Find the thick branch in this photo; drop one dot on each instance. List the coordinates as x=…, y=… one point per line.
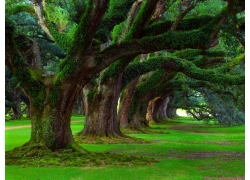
x=38, y=7
x=143, y=16
x=115, y=15
x=180, y=16
x=185, y=24
x=181, y=65
x=19, y=8
x=89, y=23
x=197, y=39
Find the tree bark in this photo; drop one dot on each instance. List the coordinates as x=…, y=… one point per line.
x=101, y=110
x=171, y=112
x=162, y=112
x=17, y=106
x=125, y=102
x=153, y=107
x=50, y=124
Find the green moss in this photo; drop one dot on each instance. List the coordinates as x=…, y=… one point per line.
x=116, y=13
x=47, y=131
x=140, y=20
x=66, y=68
x=182, y=39
x=17, y=8
x=143, y=88
x=30, y=80
x=45, y=158
x=117, y=32
x=138, y=68
x=187, y=53
x=113, y=70
x=185, y=24
x=54, y=94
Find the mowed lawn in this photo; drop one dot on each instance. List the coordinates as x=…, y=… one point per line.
x=185, y=149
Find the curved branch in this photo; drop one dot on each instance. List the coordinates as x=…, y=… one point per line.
x=190, y=6
x=17, y=8
x=115, y=15
x=198, y=39
x=187, y=67
x=39, y=10
x=89, y=23
x=143, y=16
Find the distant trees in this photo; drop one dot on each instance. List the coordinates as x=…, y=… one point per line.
x=96, y=46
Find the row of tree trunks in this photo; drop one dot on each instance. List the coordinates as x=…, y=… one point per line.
x=159, y=109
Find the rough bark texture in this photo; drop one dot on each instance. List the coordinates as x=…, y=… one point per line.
x=101, y=110
x=125, y=103
x=51, y=124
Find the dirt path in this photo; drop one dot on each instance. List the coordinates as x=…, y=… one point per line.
x=28, y=126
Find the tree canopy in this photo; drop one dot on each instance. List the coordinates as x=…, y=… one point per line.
x=143, y=52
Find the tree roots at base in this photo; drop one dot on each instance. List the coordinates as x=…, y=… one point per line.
x=41, y=156
x=89, y=139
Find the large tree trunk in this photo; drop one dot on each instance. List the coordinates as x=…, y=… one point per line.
x=156, y=105
x=152, y=109
x=26, y=100
x=138, y=119
x=171, y=112
x=162, y=112
x=51, y=124
x=101, y=110
x=17, y=104
x=125, y=101
x=50, y=116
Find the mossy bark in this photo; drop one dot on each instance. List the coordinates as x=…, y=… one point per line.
x=101, y=110
x=50, y=121
x=125, y=102
x=138, y=119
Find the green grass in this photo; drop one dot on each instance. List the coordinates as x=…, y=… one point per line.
x=186, y=150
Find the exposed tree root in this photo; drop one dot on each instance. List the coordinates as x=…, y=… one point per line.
x=39, y=155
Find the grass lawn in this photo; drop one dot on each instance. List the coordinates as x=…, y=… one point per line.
x=186, y=150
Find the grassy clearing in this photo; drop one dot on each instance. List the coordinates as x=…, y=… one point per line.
x=186, y=149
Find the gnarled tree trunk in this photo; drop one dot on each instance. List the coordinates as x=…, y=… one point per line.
x=125, y=102
x=51, y=120
x=101, y=110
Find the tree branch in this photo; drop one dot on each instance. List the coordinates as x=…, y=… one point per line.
x=39, y=10
x=198, y=39
x=141, y=18
x=181, y=65
x=189, y=6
